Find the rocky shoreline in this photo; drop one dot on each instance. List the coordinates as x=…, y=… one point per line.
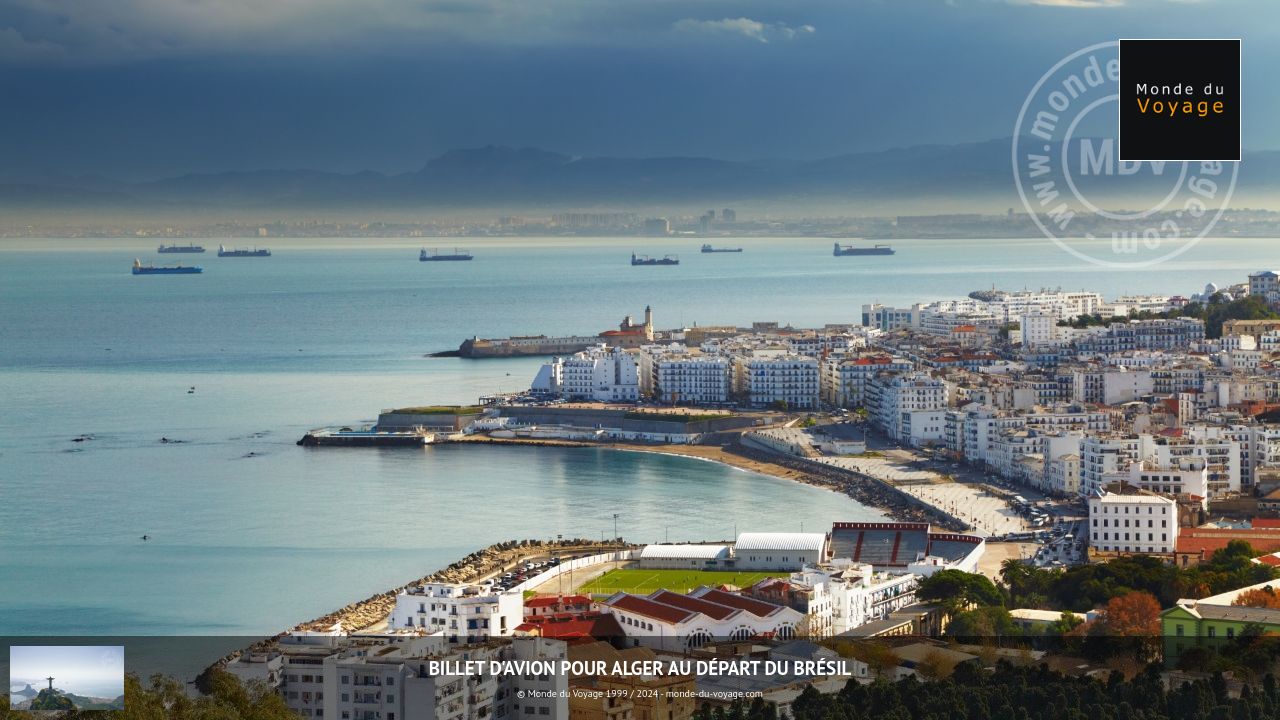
x=472, y=568
x=865, y=489
x=494, y=559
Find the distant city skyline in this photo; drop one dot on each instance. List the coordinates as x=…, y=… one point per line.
x=144, y=89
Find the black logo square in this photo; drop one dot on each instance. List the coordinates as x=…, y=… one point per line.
x=1180, y=100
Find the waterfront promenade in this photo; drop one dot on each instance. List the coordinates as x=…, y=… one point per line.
x=986, y=512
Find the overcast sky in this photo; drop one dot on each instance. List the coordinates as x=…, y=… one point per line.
x=148, y=88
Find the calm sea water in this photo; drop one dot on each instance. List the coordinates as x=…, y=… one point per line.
x=251, y=533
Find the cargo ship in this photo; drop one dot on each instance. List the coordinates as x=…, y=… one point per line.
x=646, y=260
x=149, y=269
x=256, y=252
x=842, y=250
x=436, y=256
x=708, y=249
x=180, y=249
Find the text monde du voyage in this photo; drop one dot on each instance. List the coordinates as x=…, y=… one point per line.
x=1180, y=99
x=637, y=668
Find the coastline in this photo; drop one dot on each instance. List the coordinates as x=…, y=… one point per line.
x=866, y=490
x=371, y=612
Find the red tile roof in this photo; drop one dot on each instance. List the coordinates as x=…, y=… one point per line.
x=1210, y=540
x=712, y=610
x=553, y=600
x=648, y=608
x=1267, y=523
x=759, y=608
x=597, y=625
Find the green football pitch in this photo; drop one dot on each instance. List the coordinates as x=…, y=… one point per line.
x=643, y=582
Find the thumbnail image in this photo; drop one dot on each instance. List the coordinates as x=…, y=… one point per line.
x=55, y=678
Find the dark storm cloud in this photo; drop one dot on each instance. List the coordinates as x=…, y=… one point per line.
x=142, y=88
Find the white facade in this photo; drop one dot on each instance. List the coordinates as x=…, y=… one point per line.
x=1265, y=284
x=390, y=678
x=1101, y=456
x=1133, y=523
x=672, y=622
x=1111, y=385
x=1038, y=329
x=859, y=596
x=844, y=379
x=778, y=551
x=892, y=400
x=461, y=613
x=599, y=373
x=789, y=379
x=681, y=557
x=696, y=379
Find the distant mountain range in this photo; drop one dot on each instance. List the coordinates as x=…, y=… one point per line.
x=493, y=177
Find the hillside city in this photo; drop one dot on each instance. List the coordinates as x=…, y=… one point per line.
x=1086, y=485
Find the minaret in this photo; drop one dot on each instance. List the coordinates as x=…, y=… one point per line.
x=648, y=322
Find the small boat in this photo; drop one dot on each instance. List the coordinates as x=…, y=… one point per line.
x=237, y=252
x=149, y=269
x=646, y=260
x=437, y=256
x=706, y=248
x=190, y=248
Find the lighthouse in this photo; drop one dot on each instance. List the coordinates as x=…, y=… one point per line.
x=648, y=322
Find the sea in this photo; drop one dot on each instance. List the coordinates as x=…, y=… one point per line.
x=188, y=393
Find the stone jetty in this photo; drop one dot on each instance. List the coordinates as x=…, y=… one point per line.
x=475, y=567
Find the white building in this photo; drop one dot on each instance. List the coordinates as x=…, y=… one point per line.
x=461, y=613
x=1104, y=455
x=669, y=621
x=775, y=380
x=779, y=551
x=892, y=400
x=684, y=557
x=1188, y=476
x=1265, y=284
x=598, y=373
x=844, y=379
x=679, y=376
x=392, y=678
x=1141, y=523
x=860, y=594
x=1038, y=329
x=1110, y=385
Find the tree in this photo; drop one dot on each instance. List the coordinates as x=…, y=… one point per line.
x=935, y=666
x=1028, y=585
x=983, y=624
x=1263, y=597
x=1131, y=625
x=878, y=658
x=957, y=590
